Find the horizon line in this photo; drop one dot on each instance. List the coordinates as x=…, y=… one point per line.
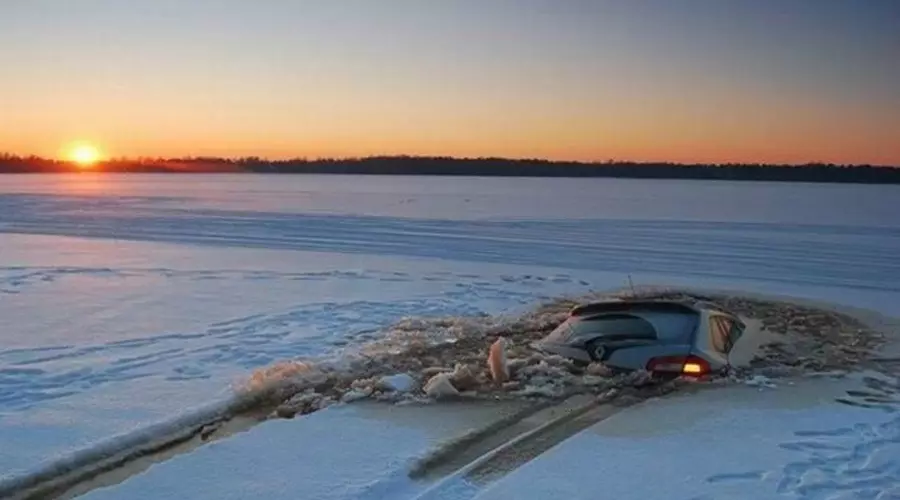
x=7, y=156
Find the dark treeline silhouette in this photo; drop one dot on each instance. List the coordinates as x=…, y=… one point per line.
x=432, y=165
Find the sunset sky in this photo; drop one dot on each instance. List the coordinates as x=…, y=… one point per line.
x=679, y=80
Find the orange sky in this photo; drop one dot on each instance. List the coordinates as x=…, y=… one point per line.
x=608, y=82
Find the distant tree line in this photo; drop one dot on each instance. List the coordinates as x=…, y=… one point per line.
x=502, y=167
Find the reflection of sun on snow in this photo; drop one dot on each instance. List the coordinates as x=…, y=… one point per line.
x=84, y=155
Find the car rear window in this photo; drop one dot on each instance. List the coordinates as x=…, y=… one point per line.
x=625, y=325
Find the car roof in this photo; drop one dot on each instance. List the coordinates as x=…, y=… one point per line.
x=624, y=305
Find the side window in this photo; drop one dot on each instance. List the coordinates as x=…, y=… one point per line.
x=724, y=333
x=718, y=334
x=735, y=331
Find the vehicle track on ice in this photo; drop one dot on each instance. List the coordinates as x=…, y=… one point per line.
x=463, y=468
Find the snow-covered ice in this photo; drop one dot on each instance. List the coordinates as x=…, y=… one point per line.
x=349, y=452
x=738, y=442
x=97, y=345
x=129, y=300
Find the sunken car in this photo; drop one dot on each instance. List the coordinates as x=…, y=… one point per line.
x=661, y=336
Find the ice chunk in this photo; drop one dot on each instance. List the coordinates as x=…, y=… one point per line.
x=400, y=382
x=497, y=361
x=463, y=377
x=282, y=372
x=592, y=380
x=356, y=395
x=545, y=390
x=760, y=381
x=516, y=364
x=302, y=403
x=440, y=386
x=434, y=370
x=598, y=369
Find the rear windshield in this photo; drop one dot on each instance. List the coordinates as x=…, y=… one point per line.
x=614, y=325
x=674, y=327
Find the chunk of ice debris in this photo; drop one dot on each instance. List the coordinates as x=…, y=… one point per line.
x=356, y=395
x=400, y=382
x=302, y=403
x=638, y=378
x=546, y=390
x=760, y=381
x=434, y=370
x=283, y=372
x=542, y=369
x=598, y=369
x=440, y=386
x=608, y=395
x=511, y=385
x=593, y=380
x=463, y=377
x=516, y=364
x=557, y=360
x=497, y=361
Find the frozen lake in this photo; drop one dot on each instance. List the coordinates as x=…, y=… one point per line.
x=127, y=300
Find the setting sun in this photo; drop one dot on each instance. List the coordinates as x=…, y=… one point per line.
x=84, y=155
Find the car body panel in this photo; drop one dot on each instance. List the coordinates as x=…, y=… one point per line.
x=638, y=357
x=712, y=342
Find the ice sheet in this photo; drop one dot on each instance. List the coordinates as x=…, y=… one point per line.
x=126, y=300
x=743, y=443
x=359, y=452
x=106, y=344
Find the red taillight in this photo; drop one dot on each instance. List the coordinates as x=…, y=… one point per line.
x=686, y=365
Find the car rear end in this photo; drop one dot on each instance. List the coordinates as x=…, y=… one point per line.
x=626, y=336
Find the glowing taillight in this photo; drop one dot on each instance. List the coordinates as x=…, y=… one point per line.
x=692, y=368
x=687, y=365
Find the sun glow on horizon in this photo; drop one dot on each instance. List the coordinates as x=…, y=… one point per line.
x=84, y=155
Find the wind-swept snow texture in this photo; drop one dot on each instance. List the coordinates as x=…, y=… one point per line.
x=740, y=442
x=795, y=441
x=350, y=452
x=128, y=300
